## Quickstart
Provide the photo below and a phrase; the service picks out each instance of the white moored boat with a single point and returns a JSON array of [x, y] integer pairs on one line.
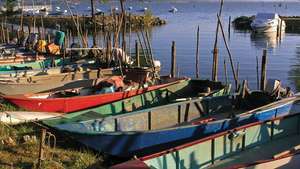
[[267, 22]]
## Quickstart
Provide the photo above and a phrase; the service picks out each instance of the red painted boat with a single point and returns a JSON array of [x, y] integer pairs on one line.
[[50, 102]]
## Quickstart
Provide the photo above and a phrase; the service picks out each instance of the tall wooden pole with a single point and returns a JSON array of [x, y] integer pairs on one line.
[[229, 53], [94, 23], [215, 50], [263, 71], [123, 22], [173, 60], [197, 54], [257, 73], [137, 54], [229, 27], [225, 72]]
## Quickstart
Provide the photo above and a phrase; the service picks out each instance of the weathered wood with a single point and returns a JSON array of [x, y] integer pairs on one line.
[[187, 112], [150, 51], [179, 114], [173, 60], [229, 27], [3, 32], [129, 37], [215, 50], [41, 148], [94, 23], [123, 23], [141, 45], [238, 70], [225, 72], [263, 71], [7, 36], [229, 53], [197, 54], [137, 54], [48, 38], [149, 120], [215, 65], [257, 73], [147, 50]]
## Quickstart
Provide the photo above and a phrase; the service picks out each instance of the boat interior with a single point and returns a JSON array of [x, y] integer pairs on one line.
[[180, 113]]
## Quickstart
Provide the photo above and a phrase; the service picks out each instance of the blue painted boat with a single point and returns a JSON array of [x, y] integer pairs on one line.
[[249, 144], [150, 130]]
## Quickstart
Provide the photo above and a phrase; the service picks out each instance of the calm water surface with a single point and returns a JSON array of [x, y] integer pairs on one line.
[[283, 57]]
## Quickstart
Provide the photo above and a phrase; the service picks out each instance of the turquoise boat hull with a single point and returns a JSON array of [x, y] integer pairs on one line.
[[40, 64]]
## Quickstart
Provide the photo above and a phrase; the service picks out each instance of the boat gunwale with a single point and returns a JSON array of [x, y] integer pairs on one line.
[[258, 110], [26, 97], [211, 137]]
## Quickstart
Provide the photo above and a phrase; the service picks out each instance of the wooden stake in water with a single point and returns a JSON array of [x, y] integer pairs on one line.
[[229, 27], [238, 70], [263, 71], [94, 23], [257, 73], [229, 53], [215, 50], [225, 72], [173, 60], [123, 23], [129, 37], [197, 54], [137, 54]]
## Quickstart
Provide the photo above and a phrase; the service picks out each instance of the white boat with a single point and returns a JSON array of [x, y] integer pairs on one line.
[[267, 22], [173, 10]]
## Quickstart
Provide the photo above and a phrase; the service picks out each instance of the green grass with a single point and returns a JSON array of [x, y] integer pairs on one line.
[[24, 155], [6, 106]]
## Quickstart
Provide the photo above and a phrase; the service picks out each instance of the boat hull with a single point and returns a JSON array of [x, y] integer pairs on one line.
[[40, 64], [47, 83], [66, 105], [142, 143], [216, 148]]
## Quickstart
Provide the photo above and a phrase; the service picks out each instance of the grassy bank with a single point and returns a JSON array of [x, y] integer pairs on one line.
[[19, 149]]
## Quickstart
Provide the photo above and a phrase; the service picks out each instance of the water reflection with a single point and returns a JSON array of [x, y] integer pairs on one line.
[[294, 72], [266, 40]]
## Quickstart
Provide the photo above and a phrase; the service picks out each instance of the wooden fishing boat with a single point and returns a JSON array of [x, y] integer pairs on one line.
[[21, 59], [29, 65], [52, 82], [225, 148], [289, 159], [142, 98], [150, 130], [83, 98]]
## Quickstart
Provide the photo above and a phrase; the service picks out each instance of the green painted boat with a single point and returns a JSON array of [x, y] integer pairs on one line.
[[184, 89], [40, 64]]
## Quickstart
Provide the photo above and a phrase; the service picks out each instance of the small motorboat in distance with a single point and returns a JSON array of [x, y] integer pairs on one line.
[[267, 22], [173, 10]]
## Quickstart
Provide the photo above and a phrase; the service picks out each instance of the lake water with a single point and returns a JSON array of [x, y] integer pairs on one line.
[[283, 56]]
